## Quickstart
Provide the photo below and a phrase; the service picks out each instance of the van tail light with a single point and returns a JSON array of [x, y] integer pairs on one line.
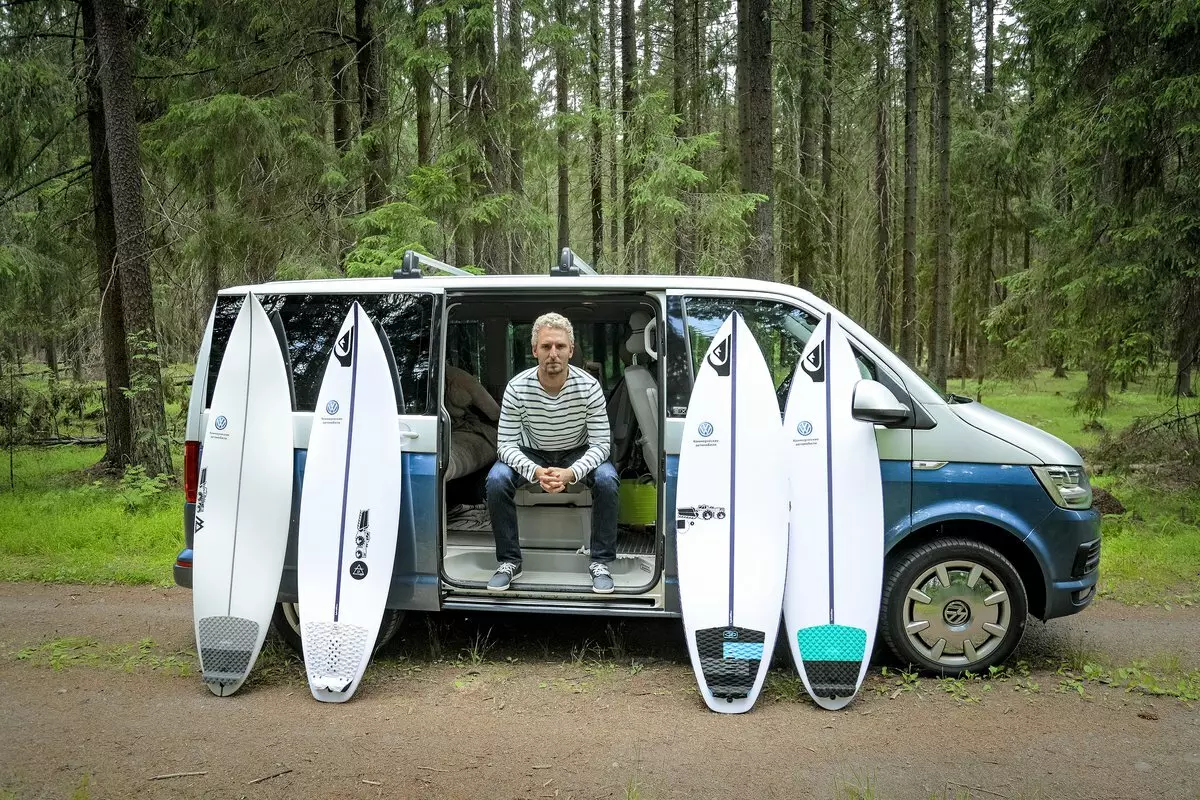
[[191, 470]]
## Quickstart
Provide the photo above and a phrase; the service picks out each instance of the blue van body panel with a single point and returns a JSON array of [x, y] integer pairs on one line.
[[1007, 497], [1002, 495]]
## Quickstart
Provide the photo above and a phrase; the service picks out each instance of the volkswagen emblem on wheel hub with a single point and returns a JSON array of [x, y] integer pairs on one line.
[[956, 612]]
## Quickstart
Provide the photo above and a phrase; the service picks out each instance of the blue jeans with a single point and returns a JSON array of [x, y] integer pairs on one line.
[[503, 482]]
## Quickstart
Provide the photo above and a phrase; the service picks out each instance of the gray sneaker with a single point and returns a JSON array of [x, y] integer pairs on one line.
[[505, 574], [602, 582]]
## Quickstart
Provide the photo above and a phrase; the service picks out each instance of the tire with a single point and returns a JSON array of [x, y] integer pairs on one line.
[[967, 627], [286, 622]]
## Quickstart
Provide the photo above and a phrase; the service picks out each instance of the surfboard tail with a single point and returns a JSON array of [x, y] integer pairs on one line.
[[227, 648], [831, 657], [729, 659], [334, 656]]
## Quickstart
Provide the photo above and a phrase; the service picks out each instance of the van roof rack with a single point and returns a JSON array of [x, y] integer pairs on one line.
[[570, 266], [410, 266]]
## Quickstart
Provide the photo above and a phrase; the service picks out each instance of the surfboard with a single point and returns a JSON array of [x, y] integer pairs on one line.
[[243, 502], [349, 511], [835, 552], [731, 520]]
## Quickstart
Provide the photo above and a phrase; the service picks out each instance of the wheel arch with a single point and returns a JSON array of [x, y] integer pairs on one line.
[[1014, 549]]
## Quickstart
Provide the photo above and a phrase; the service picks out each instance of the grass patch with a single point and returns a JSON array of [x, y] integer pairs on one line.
[[1048, 403], [1141, 677], [60, 524], [1151, 553], [76, 651]]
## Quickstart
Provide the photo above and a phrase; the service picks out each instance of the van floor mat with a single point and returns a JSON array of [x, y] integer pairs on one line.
[[633, 542]]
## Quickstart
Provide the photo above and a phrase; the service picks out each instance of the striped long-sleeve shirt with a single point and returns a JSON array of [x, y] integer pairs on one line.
[[531, 417]]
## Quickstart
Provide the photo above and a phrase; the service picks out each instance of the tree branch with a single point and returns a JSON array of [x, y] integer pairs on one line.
[[27, 189]]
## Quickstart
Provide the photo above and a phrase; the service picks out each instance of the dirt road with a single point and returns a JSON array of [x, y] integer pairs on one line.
[[100, 697]]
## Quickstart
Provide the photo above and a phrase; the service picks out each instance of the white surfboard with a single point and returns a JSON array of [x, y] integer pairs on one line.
[[349, 511], [243, 502], [835, 557], [731, 520]]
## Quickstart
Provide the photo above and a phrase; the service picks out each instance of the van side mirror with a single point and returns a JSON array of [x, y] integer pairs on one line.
[[874, 402]]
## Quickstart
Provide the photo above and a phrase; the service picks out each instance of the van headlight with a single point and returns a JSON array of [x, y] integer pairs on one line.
[[1067, 486]]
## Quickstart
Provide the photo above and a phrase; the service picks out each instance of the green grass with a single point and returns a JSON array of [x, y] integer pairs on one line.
[[58, 525], [73, 651], [1047, 403], [1151, 553]]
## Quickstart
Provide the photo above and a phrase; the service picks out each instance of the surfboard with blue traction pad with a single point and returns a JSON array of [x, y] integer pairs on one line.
[[731, 520]]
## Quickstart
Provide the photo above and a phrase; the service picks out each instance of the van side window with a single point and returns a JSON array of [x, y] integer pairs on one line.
[[781, 330], [311, 322]]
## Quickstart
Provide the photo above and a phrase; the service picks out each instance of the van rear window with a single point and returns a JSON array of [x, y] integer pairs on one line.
[[310, 323]]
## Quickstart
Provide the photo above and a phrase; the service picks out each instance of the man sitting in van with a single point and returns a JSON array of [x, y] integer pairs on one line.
[[554, 432]]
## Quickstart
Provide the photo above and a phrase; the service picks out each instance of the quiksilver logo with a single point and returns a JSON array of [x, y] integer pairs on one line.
[[719, 360], [342, 350], [814, 363]]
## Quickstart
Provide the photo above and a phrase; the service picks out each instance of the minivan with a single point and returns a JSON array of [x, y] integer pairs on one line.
[[987, 519]]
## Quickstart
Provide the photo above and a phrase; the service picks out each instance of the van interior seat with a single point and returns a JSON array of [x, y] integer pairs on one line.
[[559, 520], [643, 391]]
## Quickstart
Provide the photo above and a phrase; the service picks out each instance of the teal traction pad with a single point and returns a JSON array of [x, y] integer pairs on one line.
[[832, 656]]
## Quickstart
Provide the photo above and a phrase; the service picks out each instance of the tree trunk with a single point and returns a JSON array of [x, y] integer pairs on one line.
[[614, 141], [680, 97], [341, 108], [117, 433], [628, 99], [486, 173], [805, 217], [212, 260], [596, 160], [457, 126], [372, 96], [642, 261], [422, 85], [560, 123], [940, 330], [516, 162], [755, 132], [908, 300], [883, 149], [1187, 335], [987, 270], [148, 427], [988, 38], [826, 142]]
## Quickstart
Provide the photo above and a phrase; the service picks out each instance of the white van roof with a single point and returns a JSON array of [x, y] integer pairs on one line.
[[450, 283]]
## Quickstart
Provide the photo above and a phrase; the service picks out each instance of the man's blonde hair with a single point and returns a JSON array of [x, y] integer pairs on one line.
[[552, 320]]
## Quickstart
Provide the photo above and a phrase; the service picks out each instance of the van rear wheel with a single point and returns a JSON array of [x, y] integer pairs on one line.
[[286, 621], [953, 606]]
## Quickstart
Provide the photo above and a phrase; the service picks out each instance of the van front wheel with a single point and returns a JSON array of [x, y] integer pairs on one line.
[[953, 606], [286, 621]]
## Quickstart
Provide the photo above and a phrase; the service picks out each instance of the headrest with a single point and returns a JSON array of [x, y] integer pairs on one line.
[[636, 343]]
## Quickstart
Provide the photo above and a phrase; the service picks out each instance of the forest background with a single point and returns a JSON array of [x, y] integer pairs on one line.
[[998, 190]]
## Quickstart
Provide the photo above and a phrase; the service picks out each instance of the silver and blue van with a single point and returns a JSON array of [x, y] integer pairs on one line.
[[988, 519]]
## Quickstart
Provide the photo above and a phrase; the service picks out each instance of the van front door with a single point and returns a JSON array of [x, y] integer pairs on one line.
[[781, 327]]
